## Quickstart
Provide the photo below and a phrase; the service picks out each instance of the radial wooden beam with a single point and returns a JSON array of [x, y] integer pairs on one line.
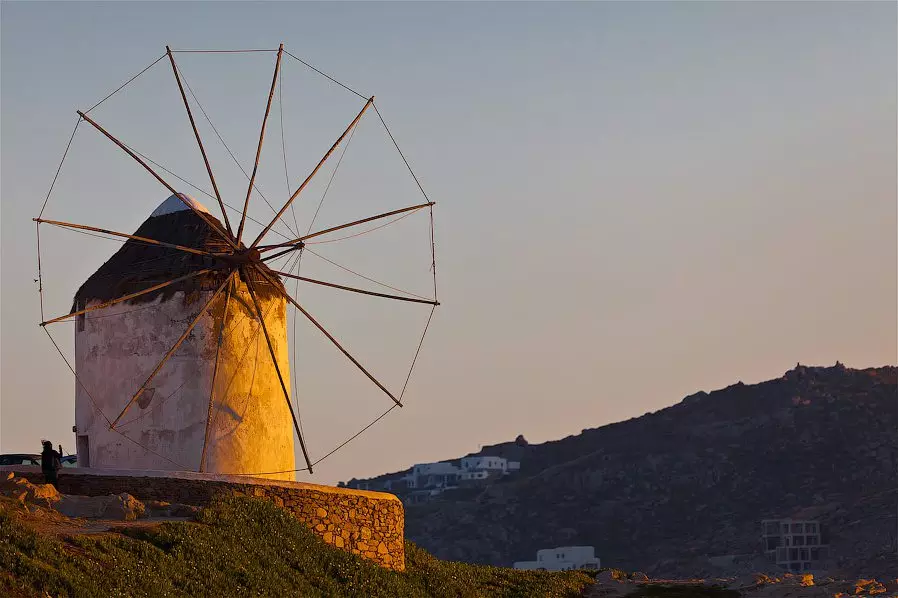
[[329, 336], [171, 351], [134, 237], [199, 141], [302, 442], [356, 290], [129, 296], [252, 179], [204, 216], [342, 226], [224, 317], [314, 171]]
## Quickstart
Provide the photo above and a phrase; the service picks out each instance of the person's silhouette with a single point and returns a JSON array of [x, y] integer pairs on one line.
[[50, 462]]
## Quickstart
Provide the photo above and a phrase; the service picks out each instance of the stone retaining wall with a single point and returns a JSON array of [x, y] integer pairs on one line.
[[369, 524]]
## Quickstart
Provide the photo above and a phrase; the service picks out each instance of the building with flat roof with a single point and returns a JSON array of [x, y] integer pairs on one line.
[[563, 558], [795, 545]]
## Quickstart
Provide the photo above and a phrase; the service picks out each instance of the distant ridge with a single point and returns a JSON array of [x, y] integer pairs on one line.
[[663, 492]]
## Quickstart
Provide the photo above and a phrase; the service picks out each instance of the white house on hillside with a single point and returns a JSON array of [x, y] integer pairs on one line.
[[432, 475], [563, 558], [499, 465]]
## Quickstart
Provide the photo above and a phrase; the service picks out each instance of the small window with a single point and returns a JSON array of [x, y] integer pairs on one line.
[[799, 540], [797, 528], [793, 554], [813, 540], [803, 554]]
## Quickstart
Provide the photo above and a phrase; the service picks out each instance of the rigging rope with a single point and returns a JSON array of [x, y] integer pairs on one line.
[[59, 168], [203, 191], [433, 250], [100, 411], [364, 232], [386, 286], [367, 427], [346, 87], [221, 51], [122, 86], [284, 144], [331, 179], [233, 157]]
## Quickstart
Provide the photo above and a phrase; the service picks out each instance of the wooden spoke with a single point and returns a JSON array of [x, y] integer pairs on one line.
[[356, 290], [134, 237], [224, 317], [302, 442], [127, 297], [249, 190], [199, 141], [330, 337], [342, 226], [204, 216], [171, 351], [314, 170]]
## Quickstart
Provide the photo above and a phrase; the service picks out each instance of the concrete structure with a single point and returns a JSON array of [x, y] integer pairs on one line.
[[432, 475], [563, 558], [794, 545], [117, 348], [369, 524], [488, 463]]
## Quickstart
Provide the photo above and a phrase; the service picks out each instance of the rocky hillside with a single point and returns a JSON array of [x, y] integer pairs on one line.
[[664, 492]]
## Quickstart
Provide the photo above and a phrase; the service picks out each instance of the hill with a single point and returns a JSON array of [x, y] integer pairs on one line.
[[239, 547], [664, 492]]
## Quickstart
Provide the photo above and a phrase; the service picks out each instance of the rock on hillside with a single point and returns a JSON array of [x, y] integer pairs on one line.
[[664, 492]]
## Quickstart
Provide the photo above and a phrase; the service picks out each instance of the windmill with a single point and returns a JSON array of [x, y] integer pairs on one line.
[[175, 310]]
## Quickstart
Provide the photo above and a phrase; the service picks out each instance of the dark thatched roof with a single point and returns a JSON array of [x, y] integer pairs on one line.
[[137, 265]]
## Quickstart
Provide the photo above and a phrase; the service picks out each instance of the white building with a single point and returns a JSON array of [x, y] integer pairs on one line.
[[432, 475], [563, 558], [499, 465], [222, 395]]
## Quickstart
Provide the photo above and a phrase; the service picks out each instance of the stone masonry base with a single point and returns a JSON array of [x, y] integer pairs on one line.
[[369, 524]]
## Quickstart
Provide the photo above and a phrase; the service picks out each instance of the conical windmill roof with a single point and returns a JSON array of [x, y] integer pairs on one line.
[[138, 265]]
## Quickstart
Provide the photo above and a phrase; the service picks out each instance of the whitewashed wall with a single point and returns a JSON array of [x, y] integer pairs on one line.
[[117, 347]]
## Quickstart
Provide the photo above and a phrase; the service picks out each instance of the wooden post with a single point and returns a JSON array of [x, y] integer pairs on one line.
[[330, 337], [274, 359], [134, 237], [314, 170], [127, 297], [171, 351], [355, 290], [203, 216], [199, 141], [224, 317], [347, 225], [252, 179]]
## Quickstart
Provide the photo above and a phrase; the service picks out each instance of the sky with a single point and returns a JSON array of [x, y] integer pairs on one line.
[[634, 201]]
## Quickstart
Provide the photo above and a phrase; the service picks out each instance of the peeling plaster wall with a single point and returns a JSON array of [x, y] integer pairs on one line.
[[116, 349]]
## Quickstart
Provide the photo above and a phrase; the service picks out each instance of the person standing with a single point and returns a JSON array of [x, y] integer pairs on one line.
[[50, 463]]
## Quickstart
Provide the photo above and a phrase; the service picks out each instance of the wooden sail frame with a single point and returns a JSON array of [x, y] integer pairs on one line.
[[239, 261]]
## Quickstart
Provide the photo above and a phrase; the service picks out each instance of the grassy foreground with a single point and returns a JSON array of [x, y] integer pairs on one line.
[[238, 547]]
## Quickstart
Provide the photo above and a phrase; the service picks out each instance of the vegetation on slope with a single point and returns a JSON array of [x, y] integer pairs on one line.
[[238, 547]]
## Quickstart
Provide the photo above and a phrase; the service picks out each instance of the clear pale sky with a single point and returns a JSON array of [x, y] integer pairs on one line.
[[636, 201]]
